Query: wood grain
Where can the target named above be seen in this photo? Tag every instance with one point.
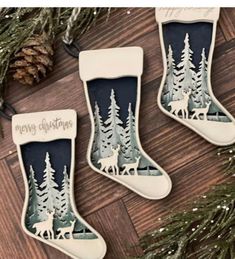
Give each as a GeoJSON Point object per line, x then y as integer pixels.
{"type": "Point", "coordinates": [117, 213]}
{"type": "Point", "coordinates": [116, 229]}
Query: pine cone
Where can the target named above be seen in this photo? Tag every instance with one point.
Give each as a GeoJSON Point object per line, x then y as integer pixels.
{"type": "Point", "coordinates": [33, 60]}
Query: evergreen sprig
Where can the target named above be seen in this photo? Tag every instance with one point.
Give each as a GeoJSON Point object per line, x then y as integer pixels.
{"type": "Point", "coordinates": [205, 229]}
{"type": "Point", "coordinates": [18, 24]}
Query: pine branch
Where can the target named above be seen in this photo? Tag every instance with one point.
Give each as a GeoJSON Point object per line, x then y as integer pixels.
{"type": "Point", "coordinates": [19, 24]}
{"type": "Point", "coordinates": [206, 227]}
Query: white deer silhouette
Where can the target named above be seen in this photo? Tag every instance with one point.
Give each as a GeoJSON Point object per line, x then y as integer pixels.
{"type": "Point", "coordinates": [134, 166]}
{"type": "Point", "coordinates": [67, 230]}
{"type": "Point", "coordinates": [182, 105]}
{"type": "Point", "coordinates": [45, 226]}
{"type": "Point", "coordinates": [110, 162]}
{"type": "Point", "coordinates": [202, 111]}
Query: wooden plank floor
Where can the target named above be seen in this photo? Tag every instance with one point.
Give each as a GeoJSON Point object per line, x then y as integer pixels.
{"type": "Point", "coordinates": [118, 214]}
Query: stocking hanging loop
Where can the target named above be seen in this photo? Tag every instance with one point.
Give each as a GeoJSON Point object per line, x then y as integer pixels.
{"type": "Point", "coordinates": [72, 49]}
{"type": "Point", "coordinates": [6, 110]}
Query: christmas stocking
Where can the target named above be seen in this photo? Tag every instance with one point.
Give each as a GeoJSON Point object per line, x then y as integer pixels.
{"type": "Point", "coordinates": [112, 81]}
{"type": "Point", "coordinates": [187, 38]}
{"type": "Point", "coordinates": [45, 146]}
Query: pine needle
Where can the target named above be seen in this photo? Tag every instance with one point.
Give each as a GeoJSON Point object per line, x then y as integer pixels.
{"type": "Point", "coordinates": [204, 229]}
{"type": "Point", "coordinates": [19, 24]}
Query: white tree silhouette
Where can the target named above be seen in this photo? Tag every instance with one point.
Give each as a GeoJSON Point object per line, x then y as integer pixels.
{"type": "Point", "coordinates": [186, 74]}
{"type": "Point", "coordinates": [131, 147]}
{"type": "Point", "coordinates": [50, 195]}
{"type": "Point", "coordinates": [35, 206]}
{"type": "Point", "coordinates": [114, 130]}
{"type": "Point", "coordinates": [202, 87]}
{"type": "Point", "coordinates": [99, 145]}
{"type": "Point", "coordinates": [168, 92]}
{"type": "Point", "coordinates": [65, 206]}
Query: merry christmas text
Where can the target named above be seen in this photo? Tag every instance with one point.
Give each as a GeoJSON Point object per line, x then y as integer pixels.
{"type": "Point", "coordinates": [44, 126]}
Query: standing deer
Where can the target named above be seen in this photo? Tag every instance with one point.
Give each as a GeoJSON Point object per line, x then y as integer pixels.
{"type": "Point", "coordinates": [134, 166]}
{"type": "Point", "coordinates": [182, 105]}
{"type": "Point", "coordinates": [45, 226]}
{"type": "Point", "coordinates": [110, 162]}
{"type": "Point", "coordinates": [67, 230]}
{"type": "Point", "coordinates": [202, 111]}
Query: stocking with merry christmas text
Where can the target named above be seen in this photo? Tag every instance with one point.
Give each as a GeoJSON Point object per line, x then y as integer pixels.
{"type": "Point", "coordinates": [45, 144]}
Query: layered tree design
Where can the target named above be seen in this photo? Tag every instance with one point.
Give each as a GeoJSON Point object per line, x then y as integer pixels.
{"type": "Point", "coordinates": [186, 77]}
{"type": "Point", "coordinates": [131, 147]}
{"type": "Point", "coordinates": [99, 148]}
{"type": "Point", "coordinates": [50, 193]}
{"type": "Point", "coordinates": [170, 94]}
{"type": "Point", "coordinates": [203, 96]}
{"type": "Point", "coordinates": [114, 130]}
{"type": "Point", "coordinates": [35, 210]}
{"type": "Point", "coordinates": [113, 133]}
{"type": "Point", "coordinates": [52, 197]}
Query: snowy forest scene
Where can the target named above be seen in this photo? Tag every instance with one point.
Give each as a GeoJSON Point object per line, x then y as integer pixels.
{"type": "Point", "coordinates": [185, 92]}
{"type": "Point", "coordinates": [115, 150]}
{"type": "Point", "coordinates": [49, 214]}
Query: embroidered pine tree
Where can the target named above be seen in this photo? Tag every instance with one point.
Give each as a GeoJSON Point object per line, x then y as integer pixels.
{"type": "Point", "coordinates": [49, 192]}
{"type": "Point", "coordinates": [99, 148]}
{"type": "Point", "coordinates": [114, 130]}
{"type": "Point", "coordinates": [168, 93]}
{"type": "Point", "coordinates": [35, 208]}
{"type": "Point", "coordinates": [131, 147]}
{"type": "Point", "coordinates": [202, 88]}
{"type": "Point", "coordinates": [186, 74]}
